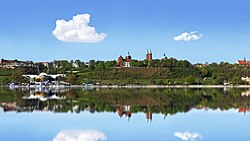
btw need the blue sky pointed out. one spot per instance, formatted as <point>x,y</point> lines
<point>130,25</point>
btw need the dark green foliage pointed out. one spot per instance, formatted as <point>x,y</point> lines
<point>72,78</point>
<point>17,76</point>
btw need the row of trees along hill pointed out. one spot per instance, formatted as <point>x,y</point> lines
<point>161,72</point>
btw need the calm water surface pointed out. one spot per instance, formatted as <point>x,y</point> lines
<point>45,114</point>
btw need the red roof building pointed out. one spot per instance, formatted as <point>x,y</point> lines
<point>120,61</point>
<point>128,59</point>
<point>9,61</point>
<point>124,62</point>
<point>244,110</point>
<point>119,111</point>
<point>243,63</point>
<point>45,64</point>
<point>10,64</point>
<point>6,61</point>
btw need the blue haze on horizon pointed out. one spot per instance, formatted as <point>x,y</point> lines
<point>131,25</point>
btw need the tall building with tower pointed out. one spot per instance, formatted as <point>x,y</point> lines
<point>121,62</point>
<point>128,59</point>
<point>149,55</point>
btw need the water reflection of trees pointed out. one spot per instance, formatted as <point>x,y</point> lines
<point>164,101</point>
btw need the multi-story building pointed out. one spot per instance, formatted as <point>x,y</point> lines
<point>10,64</point>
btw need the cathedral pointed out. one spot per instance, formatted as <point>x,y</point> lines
<point>124,62</point>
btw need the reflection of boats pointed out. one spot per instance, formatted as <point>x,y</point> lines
<point>124,110</point>
<point>88,86</point>
<point>33,90</point>
<point>13,85</point>
<point>245,93</point>
<point>43,94</point>
<point>43,98</point>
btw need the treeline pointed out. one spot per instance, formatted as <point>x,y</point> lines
<point>156,72</point>
<point>169,72</point>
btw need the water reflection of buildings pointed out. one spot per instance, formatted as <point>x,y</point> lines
<point>45,99</point>
<point>149,117</point>
<point>9,107</point>
<point>33,101</point>
<point>125,110</point>
<point>244,110</point>
<point>126,103</point>
<point>201,107</point>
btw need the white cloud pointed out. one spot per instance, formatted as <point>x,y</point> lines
<point>77,30</point>
<point>188,136</point>
<point>192,36</point>
<point>80,135</point>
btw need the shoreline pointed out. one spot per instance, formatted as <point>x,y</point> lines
<point>173,86</point>
<point>133,86</point>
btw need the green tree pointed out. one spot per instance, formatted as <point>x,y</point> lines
<point>65,65</point>
<point>130,80</point>
<point>190,80</point>
<point>100,65</point>
<point>5,80</point>
<point>237,80</point>
<point>92,64</point>
<point>138,63</point>
<point>72,79</point>
<point>110,64</point>
<point>17,76</point>
<point>79,63</point>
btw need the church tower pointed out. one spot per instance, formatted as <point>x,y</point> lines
<point>149,55</point>
<point>164,57</point>
<point>128,57</point>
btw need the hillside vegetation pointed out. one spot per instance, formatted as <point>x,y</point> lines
<point>155,72</point>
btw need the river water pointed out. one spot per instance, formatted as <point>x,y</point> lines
<point>67,114</point>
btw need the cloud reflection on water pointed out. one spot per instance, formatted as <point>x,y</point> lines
<point>188,136</point>
<point>80,135</point>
